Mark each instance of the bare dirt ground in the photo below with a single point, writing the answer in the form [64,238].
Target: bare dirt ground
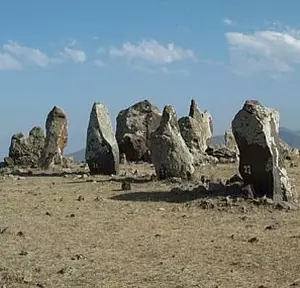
[75,232]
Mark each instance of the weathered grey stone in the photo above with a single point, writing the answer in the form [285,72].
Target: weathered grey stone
[134,126]
[223,154]
[56,138]
[256,130]
[102,152]
[229,141]
[26,150]
[136,147]
[170,154]
[197,130]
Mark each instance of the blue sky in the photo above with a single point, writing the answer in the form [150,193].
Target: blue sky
[72,53]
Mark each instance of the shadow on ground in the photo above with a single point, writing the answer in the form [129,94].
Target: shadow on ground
[173,196]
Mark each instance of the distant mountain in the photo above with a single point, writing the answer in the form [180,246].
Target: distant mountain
[291,137]
[79,156]
[217,140]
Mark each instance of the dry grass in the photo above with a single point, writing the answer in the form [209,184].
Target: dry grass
[102,242]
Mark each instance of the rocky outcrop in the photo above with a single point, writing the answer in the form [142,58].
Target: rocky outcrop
[256,130]
[170,154]
[26,151]
[197,130]
[134,126]
[102,152]
[56,138]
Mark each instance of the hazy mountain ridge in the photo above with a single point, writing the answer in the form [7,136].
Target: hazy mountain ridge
[291,137]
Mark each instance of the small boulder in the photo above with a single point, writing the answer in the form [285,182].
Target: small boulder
[256,130]
[102,152]
[56,138]
[134,126]
[170,154]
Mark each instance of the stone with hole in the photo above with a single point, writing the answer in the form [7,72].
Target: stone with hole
[256,131]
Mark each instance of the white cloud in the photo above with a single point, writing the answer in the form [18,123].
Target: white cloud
[7,62]
[228,21]
[153,52]
[99,63]
[78,56]
[31,55]
[101,50]
[264,50]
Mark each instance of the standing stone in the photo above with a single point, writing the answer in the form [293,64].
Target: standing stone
[56,137]
[196,130]
[170,154]
[102,152]
[256,130]
[134,126]
[229,140]
[26,151]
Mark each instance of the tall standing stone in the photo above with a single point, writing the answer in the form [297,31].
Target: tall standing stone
[102,152]
[56,137]
[170,154]
[134,126]
[256,131]
[196,130]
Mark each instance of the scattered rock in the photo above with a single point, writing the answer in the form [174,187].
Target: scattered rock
[3,230]
[134,126]
[20,234]
[23,253]
[56,138]
[80,198]
[64,270]
[253,240]
[273,226]
[170,155]
[126,186]
[295,283]
[77,257]
[102,151]
[256,130]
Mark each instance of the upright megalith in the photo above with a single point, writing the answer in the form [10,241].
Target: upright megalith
[256,131]
[196,130]
[26,151]
[170,154]
[134,126]
[229,140]
[102,151]
[56,138]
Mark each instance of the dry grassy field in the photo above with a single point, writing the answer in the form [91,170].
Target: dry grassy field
[78,232]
